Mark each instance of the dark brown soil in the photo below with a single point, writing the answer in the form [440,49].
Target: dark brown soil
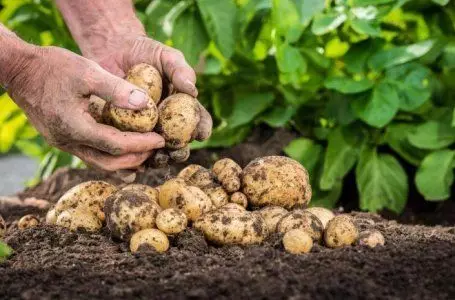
[417,262]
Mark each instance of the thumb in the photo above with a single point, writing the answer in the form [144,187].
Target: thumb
[118,91]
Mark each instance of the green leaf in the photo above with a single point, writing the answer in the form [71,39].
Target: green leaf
[413,84]
[305,151]
[357,56]
[220,21]
[370,2]
[441,2]
[381,181]
[379,107]
[189,36]
[326,199]
[9,131]
[365,27]
[247,106]
[155,14]
[29,148]
[308,9]
[453,117]
[339,109]
[289,59]
[279,116]
[348,85]
[396,137]
[289,26]
[399,55]
[223,137]
[434,177]
[432,135]
[325,23]
[341,155]
[5,251]
[173,14]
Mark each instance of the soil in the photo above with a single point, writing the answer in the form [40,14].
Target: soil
[53,263]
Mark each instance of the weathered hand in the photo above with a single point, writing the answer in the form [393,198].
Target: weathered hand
[53,87]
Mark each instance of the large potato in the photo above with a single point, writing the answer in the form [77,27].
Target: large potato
[78,219]
[300,219]
[323,214]
[228,173]
[276,180]
[130,211]
[89,195]
[151,192]
[340,231]
[148,78]
[179,115]
[190,199]
[232,226]
[272,215]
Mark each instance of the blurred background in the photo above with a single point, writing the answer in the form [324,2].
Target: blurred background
[366,87]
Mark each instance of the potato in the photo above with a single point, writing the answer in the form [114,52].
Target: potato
[323,214]
[297,241]
[371,238]
[276,180]
[301,219]
[187,172]
[149,237]
[180,155]
[198,176]
[232,226]
[190,199]
[147,78]
[78,219]
[171,221]
[96,108]
[179,115]
[151,192]
[239,198]
[51,217]
[128,212]
[272,215]
[340,231]
[27,221]
[233,206]
[228,173]
[160,159]
[217,195]
[89,195]
[2,227]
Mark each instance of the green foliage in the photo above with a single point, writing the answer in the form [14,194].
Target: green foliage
[366,83]
[5,251]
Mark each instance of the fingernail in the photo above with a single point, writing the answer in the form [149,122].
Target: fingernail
[137,98]
[190,86]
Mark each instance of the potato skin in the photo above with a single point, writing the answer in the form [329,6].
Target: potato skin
[272,215]
[276,180]
[228,172]
[149,237]
[96,108]
[148,78]
[128,212]
[179,115]
[239,198]
[27,221]
[340,231]
[233,206]
[217,195]
[232,226]
[51,217]
[300,219]
[2,227]
[89,195]
[323,214]
[297,241]
[151,192]
[78,219]
[171,221]
[188,171]
[160,159]
[180,155]
[371,238]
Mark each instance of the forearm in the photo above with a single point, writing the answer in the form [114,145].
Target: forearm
[96,25]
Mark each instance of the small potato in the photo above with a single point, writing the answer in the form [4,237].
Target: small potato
[228,173]
[171,221]
[239,198]
[300,219]
[151,192]
[180,155]
[78,219]
[128,212]
[51,217]
[202,178]
[272,215]
[149,237]
[371,238]
[217,195]
[148,78]
[340,231]
[160,159]
[232,226]
[323,214]
[89,195]
[27,221]
[297,241]
[96,108]
[190,199]
[179,115]
[2,227]
[276,180]
[188,171]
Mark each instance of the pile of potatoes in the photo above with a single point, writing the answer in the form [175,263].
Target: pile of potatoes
[176,117]
[228,204]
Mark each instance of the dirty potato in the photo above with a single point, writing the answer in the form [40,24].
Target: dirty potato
[276,180]
[217,195]
[228,174]
[233,206]
[187,172]
[2,227]
[272,215]
[51,217]
[180,155]
[160,159]
[78,219]
[89,195]
[27,221]
[151,192]
[129,211]
[371,238]
[297,241]
[323,214]
[179,115]
[232,226]
[150,237]
[340,231]
[171,221]
[239,198]
[300,219]
[96,108]
[147,78]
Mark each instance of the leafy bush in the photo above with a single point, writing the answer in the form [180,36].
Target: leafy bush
[368,84]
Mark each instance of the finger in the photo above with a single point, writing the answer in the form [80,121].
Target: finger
[204,128]
[116,90]
[179,71]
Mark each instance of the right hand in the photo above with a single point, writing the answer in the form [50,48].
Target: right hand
[53,87]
